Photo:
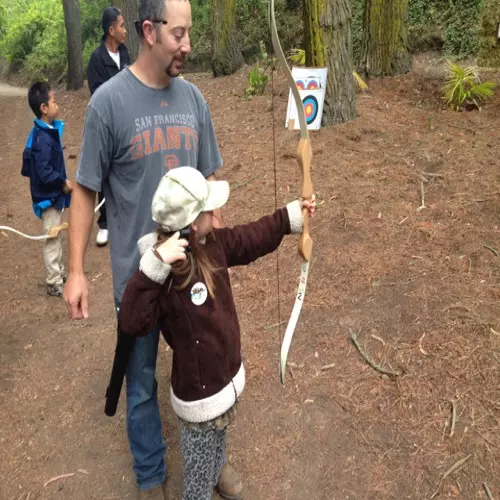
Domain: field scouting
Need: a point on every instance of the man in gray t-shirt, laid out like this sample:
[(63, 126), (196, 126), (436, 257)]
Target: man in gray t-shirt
[(138, 125), (133, 134)]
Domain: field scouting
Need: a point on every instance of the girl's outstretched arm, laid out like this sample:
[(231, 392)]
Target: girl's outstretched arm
[(247, 242)]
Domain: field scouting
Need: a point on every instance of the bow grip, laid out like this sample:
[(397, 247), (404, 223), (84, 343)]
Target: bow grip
[(304, 157)]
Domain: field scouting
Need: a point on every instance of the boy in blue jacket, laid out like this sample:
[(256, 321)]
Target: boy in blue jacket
[(43, 163)]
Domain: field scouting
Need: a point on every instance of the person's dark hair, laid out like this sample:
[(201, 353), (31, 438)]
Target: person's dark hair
[(148, 10), (109, 17), (38, 94)]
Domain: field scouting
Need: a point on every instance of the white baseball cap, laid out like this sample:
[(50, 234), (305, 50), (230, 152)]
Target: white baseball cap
[(183, 193)]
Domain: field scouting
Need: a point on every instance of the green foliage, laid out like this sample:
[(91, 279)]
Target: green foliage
[(91, 12), (462, 23), (489, 46), (3, 20), (297, 57), (257, 81), (34, 40), (251, 17), (426, 21), (357, 12), (201, 34), (463, 87), (258, 77), (450, 25)]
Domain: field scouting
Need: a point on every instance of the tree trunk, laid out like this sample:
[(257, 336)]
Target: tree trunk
[(328, 43), (73, 24), (130, 11), (226, 55), (489, 44), (385, 38)]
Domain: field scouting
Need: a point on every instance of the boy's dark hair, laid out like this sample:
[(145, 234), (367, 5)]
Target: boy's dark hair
[(38, 94), (109, 17)]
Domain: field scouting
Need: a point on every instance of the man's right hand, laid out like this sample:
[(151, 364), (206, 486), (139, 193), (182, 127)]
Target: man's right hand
[(76, 296)]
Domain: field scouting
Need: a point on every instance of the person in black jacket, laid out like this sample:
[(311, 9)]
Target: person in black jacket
[(105, 62)]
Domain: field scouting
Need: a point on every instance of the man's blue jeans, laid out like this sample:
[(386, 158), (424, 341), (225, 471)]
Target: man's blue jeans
[(144, 425)]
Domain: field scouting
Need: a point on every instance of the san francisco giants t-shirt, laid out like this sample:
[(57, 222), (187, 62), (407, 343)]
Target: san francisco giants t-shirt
[(132, 135)]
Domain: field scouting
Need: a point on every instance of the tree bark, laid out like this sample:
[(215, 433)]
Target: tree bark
[(385, 38), (489, 44), (130, 11), (226, 55), (328, 43), (72, 21)]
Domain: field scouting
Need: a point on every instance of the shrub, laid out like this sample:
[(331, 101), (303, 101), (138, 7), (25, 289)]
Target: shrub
[(258, 77), (463, 87), (34, 41)]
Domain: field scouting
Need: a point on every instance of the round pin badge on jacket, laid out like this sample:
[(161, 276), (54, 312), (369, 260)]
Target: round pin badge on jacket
[(199, 294)]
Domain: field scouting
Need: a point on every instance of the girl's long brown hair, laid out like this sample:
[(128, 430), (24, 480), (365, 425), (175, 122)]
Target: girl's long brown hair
[(197, 260)]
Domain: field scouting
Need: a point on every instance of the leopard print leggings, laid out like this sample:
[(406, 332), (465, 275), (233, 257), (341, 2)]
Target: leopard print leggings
[(204, 452)]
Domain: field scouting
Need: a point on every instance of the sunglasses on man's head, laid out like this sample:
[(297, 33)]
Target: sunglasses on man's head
[(138, 24)]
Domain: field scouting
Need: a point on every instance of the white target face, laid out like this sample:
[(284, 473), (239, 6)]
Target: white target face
[(311, 84)]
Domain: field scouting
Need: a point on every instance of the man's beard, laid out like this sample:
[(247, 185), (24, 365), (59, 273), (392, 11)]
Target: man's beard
[(175, 72)]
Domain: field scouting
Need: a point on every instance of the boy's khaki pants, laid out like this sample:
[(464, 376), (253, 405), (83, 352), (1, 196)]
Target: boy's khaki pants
[(52, 250)]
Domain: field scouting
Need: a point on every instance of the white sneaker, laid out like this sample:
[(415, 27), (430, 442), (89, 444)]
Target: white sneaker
[(102, 237)]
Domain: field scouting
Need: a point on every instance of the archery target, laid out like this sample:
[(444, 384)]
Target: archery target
[(308, 84), (311, 84), (313, 101), (310, 108)]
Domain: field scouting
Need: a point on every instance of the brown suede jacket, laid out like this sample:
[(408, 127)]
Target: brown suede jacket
[(204, 334)]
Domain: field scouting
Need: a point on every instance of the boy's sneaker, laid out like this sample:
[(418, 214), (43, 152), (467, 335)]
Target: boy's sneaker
[(229, 485), (55, 290), (102, 237)]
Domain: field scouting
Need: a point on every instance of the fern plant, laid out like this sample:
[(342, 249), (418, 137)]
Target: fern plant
[(463, 87)]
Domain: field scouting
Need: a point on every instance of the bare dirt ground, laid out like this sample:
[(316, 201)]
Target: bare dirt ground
[(420, 288), (10, 91)]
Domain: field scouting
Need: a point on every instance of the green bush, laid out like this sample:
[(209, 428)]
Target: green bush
[(201, 35), (357, 11), (3, 20), (251, 18), (461, 35), (34, 40), (27, 24), (450, 25), (259, 74), (463, 87)]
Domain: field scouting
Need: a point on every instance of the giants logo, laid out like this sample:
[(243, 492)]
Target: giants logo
[(169, 138)]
